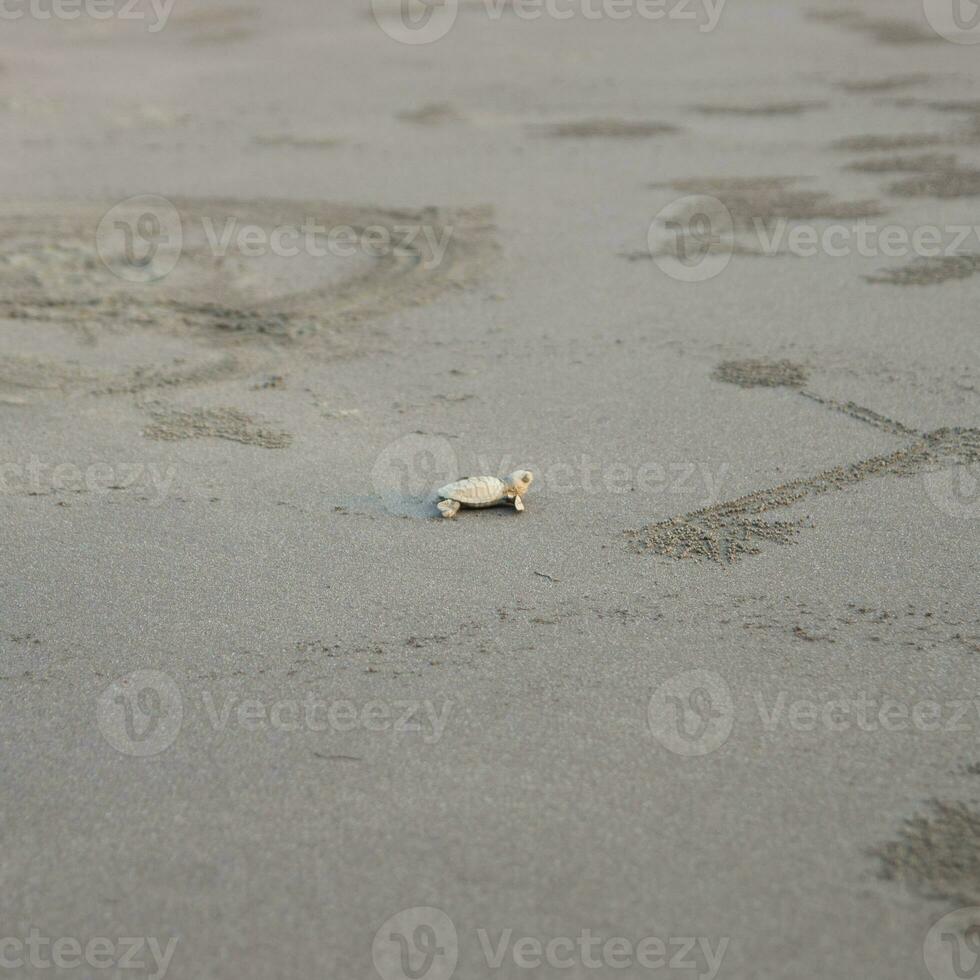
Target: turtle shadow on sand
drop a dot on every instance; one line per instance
(472, 492)
(403, 505)
(427, 507)
(391, 504)
(422, 507)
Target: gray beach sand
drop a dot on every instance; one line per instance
(256, 699)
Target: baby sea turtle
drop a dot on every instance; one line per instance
(484, 491)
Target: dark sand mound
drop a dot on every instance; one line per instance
(938, 855)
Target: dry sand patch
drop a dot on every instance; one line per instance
(297, 141)
(874, 143)
(884, 30)
(752, 199)
(955, 105)
(939, 855)
(929, 271)
(172, 424)
(924, 163)
(760, 372)
(731, 530)
(760, 109)
(943, 184)
(889, 84)
(605, 129)
(431, 114)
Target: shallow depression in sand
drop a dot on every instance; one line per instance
(888, 84)
(874, 143)
(884, 30)
(759, 372)
(944, 184)
(922, 163)
(239, 277)
(751, 200)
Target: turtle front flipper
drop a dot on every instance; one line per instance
(448, 508)
(518, 504)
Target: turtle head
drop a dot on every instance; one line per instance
(518, 482)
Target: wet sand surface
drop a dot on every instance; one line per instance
(752, 491)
